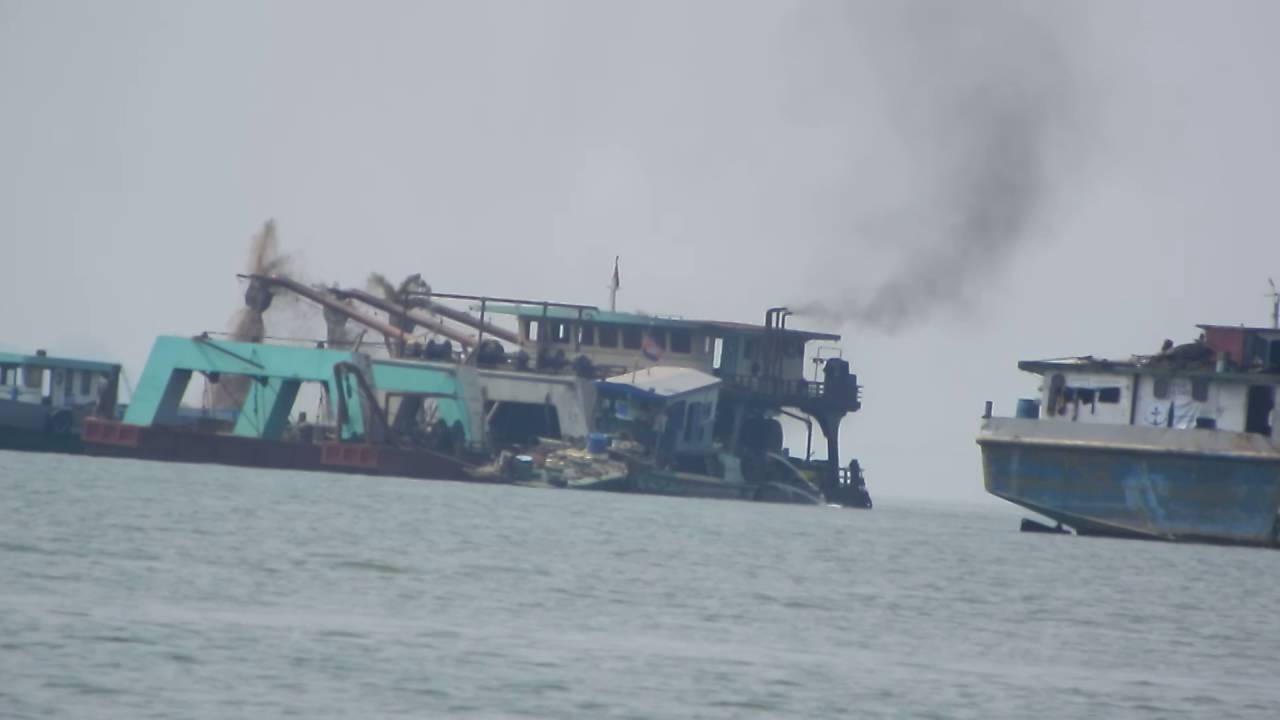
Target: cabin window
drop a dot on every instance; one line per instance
(1057, 394)
(532, 332)
(33, 377)
(587, 334)
(717, 351)
(1200, 389)
(681, 342)
(4, 375)
(86, 382)
(632, 337)
(560, 332)
(608, 336)
(1086, 396)
(1259, 403)
(1109, 395)
(1161, 389)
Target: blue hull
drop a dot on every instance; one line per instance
(1132, 491)
(39, 441)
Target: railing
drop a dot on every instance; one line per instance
(774, 385)
(793, 389)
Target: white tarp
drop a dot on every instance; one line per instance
(1185, 408)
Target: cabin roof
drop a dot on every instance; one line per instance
(1140, 365)
(663, 382)
(1245, 328)
(1080, 364)
(47, 361)
(537, 312)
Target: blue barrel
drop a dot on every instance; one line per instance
(597, 443)
(1028, 408)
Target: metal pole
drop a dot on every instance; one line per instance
(542, 336)
(613, 287)
(577, 337)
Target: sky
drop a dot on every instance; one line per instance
(953, 187)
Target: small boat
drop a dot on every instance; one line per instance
(673, 410)
(45, 400)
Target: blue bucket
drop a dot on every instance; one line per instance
(1028, 408)
(597, 443)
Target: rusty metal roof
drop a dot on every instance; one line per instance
(624, 318)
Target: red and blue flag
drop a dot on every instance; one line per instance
(651, 348)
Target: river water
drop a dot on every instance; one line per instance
(147, 590)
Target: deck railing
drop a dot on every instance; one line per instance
(794, 389)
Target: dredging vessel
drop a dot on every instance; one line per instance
(1179, 445)
(696, 403)
(445, 403)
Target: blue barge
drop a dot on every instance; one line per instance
(1178, 445)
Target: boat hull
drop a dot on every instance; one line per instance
(612, 483)
(12, 438)
(34, 427)
(116, 439)
(653, 481)
(1195, 485)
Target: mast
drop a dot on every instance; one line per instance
(613, 287)
(1275, 304)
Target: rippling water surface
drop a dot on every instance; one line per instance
(132, 590)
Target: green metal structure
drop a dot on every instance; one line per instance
(278, 371)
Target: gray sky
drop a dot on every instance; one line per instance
(1023, 179)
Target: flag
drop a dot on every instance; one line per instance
(616, 282)
(651, 348)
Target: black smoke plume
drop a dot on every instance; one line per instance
(982, 101)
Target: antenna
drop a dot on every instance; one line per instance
(1275, 303)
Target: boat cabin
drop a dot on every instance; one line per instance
(669, 409)
(769, 357)
(40, 379)
(1226, 380)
